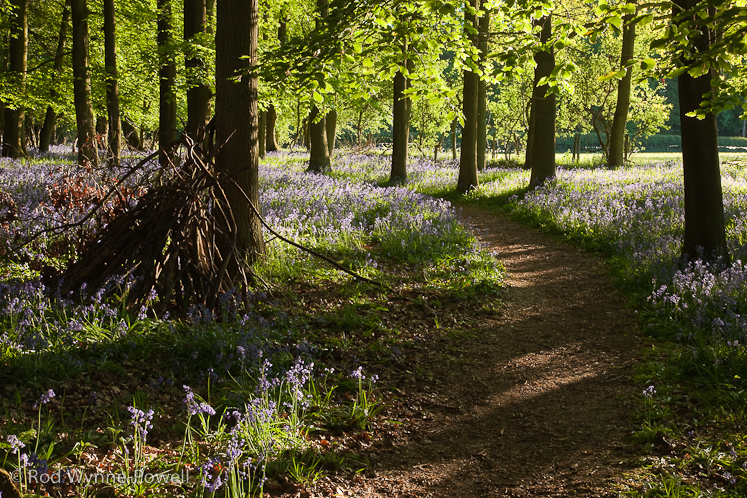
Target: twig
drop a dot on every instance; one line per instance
(299, 246)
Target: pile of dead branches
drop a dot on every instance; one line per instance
(166, 244)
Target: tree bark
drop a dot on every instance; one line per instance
(114, 137)
(543, 143)
(453, 136)
(468, 157)
(131, 135)
(84, 115)
(482, 94)
(620, 120)
(704, 207)
(319, 161)
(198, 91)
(262, 133)
(14, 134)
(50, 118)
(270, 138)
(167, 80)
(331, 130)
(272, 113)
(400, 129)
(236, 129)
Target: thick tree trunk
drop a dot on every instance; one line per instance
(167, 80)
(331, 130)
(319, 161)
(236, 128)
(198, 91)
(620, 120)
(468, 157)
(704, 206)
(482, 94)
(14, 134)
(114, 137)
(543, 142)
(50, 118)
(84, 116)
(400, 129)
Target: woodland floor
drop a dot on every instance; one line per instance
(530, 398)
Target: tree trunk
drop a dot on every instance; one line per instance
(543, 143)
(14, 134)
(198, 91)
(331, 130)
(131, 135)
(262, 131)
(85, 118)
(620, 120)
(167, 79)
(482, 91)
(468, 157)
(319, 161)
(236, 129)
(270, 137)
(114, 137)
(453, 139)
(400, 129)
(704, 206)
(50, 119)
(102, 131)
(272, 113)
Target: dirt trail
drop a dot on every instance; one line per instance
(534, 404)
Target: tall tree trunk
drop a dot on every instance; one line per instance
(704, 205)
(236, 129)
(468, 157)
(453, 135)
(620, 120)
(198, 91)
(167, 79)
(543, 143)
(14, 133)
(262, 133)
(319, 160)
(4, 69)
(270, 138)
(85, 118)
(400, 129)
(272, 113)
(331, 130)
(114, 137)
(50, 118)
(482, 93)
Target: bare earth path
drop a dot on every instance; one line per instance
(534, 401)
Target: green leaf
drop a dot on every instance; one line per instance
(615, 21)
(348, 58)
(357, 48)
(318, 97)
(648, 63)
(367, 62)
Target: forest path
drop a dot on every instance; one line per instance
(534, 400)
